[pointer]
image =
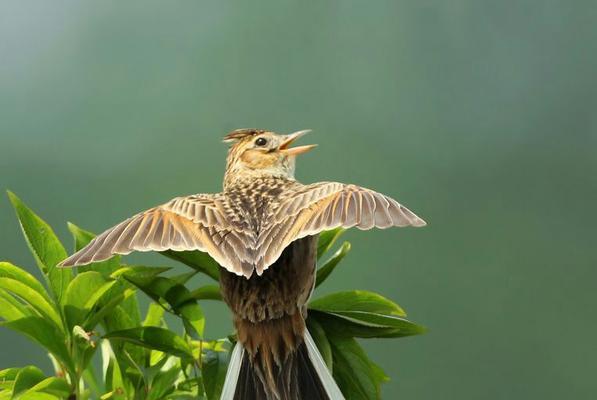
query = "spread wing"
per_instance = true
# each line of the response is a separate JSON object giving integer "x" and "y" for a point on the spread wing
{"x": 195, "y": 222}
{"x": 327, "y": 205}
{"x": 209, "y": 223}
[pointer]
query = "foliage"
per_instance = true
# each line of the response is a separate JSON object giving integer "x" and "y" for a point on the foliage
{"x": 92, "y": 314}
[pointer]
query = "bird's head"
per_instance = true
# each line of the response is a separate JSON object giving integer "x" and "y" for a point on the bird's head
{"x": 258, "y": 153}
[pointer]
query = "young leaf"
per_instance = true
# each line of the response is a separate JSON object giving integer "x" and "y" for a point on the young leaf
{"x": 45, "y": 246}
{"x": 327, "y": 240}
{"x": 326, "y": 269}
{"x": 154, "y": 338}
{"x": 197, "y": 260}
{"x": 85, "y": 346}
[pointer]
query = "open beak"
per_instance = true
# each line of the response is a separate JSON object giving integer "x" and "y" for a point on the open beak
{"x": 294, "y": 151}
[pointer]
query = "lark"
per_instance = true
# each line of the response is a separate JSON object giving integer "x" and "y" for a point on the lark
{"x": 262, "y": 229}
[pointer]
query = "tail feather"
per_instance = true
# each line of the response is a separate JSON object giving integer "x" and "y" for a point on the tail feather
{"x": 303, "y": 376}
{"x": 327, "y": 380}
{"x": 233, "y": 372}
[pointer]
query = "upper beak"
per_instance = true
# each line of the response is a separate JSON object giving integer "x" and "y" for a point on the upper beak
{"x": 293, "y": 151}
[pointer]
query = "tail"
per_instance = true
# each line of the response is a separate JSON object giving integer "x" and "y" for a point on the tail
{"x": 302, "y": 376}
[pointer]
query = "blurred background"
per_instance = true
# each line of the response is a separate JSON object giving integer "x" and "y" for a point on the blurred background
{"x": 479, "y": 115}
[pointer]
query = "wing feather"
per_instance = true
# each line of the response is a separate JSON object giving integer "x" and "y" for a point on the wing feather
{"x": 185, "y": 223}
{"x": 325, "y": 206}
{"x": 207, "y": 223}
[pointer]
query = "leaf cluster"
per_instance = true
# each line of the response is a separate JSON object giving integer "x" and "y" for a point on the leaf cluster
{"x": 90, "y": 315}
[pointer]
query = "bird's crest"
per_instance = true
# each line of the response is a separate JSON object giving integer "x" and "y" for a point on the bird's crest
{"x": 240, "y": 134}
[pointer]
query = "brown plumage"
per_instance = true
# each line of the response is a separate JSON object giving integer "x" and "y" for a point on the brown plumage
{"x": 262, "y": 230}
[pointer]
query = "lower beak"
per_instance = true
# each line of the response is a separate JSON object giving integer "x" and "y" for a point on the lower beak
{"x": 293, "y": 151}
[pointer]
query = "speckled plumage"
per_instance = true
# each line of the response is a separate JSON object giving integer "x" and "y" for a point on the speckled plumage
{"x": 263, "y": 219}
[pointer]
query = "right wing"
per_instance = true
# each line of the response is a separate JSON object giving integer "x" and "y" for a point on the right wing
{"x": 195, "y": 222}
{"x": 318, "y": 207}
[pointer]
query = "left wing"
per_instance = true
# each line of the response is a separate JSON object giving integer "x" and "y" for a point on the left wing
{"x": 323, "y": 206}
{"x": 197, "y": 222}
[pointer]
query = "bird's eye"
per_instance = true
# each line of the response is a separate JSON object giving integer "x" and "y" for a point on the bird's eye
{"x": 261, "y": 141}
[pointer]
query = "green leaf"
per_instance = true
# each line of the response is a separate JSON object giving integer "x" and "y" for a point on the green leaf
{"x": 154, "y": 338}
{"x": 197, "y": 260}
{"x": 39, "y": 396}
{"x": 138, "y": 272}
{"x": 81, "y": 236}
{"x": 338, "y": 325}
{"x": 327, "y": 240}
{"x": 215, "y": 359}
{"x": 33, "y": 298}
{"x": 7, "y": 378}
{"x": 46, "y": 334}
{"x": 177, "y": 296}
{"x": 154, "y": 316}
{"x": 9, "y": 374}
{"x": 82, "y": 295}
{"x": 357, "y": 300}
{"x": 105, "y": 309}
{"x": 357, "y": 376}
{"x": 26, "y": 379}
{"x": 106, "y": 268}
{"x": 183, "y": 278}
{"x": 11, "y": 308}
{"x": 118, "y": 320}
{"x": 183, "y": 395}
{"x": 114, "y": 379}
{"x": 52, "y": 386}
{"x": 163, "y": 383}
{"x": 45, "y": 246}
{"x": 8, "y": 270}
{"x": 362, "y": 314}
{"x": 372, "y": 319}
{"x": 328, "y": 267}
{"x": 85, "y": 347}
{"x": 322, "y": 342}
{"x": 91, "y": 380}
{"x": 209, "y": 292}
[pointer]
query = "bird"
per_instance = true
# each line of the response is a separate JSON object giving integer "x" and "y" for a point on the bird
{"x": 262, "y": 230}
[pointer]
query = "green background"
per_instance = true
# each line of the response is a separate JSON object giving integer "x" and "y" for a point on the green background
{"x": 478, "y": 115}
